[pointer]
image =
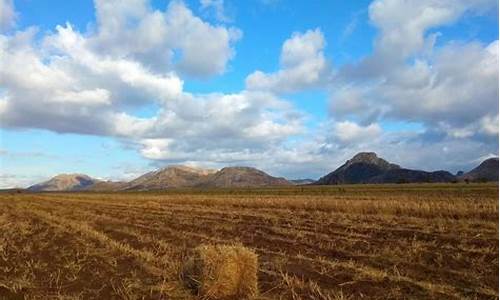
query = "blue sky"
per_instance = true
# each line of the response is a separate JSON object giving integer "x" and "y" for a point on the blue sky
{"x": 114, "y": 89}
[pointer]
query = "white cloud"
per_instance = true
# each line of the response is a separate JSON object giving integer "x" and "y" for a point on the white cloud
{"x": 8, "y": 15}
{"x": 350, "y": 132}
{"x": 217, "y": 6}
{"x": 133, "y": 29}
{"x": 453, "y": 88}
{"x": 156, "y": 148}
{"x": 241, "y": 120}
{"x": 188, "y": 33}
{"x": 89, "y": 97}
{"x": 65, "y": 83}
{"x": 65, "y": 71}
{"x": 303, "y": 66}
{"x": 455, "y": 91}
{"x": 489, "y": 125}
{"x": 217, "y": 126}
{"x": 403, "y": 24}
{"x": 125, "y": 125}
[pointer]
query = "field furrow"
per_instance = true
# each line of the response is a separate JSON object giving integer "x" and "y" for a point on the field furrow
{"x": 412, "y": 243}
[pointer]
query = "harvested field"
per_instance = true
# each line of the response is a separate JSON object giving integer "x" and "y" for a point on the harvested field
{"x": 338, "y": 242}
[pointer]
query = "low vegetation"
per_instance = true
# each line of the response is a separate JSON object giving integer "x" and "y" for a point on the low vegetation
{"x": 419, "y": 241}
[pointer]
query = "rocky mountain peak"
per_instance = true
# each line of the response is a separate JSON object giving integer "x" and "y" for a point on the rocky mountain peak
{"x": 65, "y": 182}
{"x": 372, "y": 159}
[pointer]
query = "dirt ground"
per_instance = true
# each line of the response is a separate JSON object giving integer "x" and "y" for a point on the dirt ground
{"x": 426, "y": 241}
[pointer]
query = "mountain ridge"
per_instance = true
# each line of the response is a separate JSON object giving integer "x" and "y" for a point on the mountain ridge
{"x": 364, "y": 167}
{"x": 367, "y": 167}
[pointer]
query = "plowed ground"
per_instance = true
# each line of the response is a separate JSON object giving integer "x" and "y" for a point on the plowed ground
{"x": 350, "y": 242}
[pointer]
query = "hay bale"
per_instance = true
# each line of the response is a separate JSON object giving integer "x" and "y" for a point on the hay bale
{"x": 222, "y": 272}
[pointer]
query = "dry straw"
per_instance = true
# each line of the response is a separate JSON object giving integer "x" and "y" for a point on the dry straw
{"x": 222, "y": 272}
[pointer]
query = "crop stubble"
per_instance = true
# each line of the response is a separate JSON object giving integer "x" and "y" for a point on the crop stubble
{"x": 377, "y": 242}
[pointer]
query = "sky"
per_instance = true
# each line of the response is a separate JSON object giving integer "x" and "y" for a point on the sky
{"x": 117, "y": 88}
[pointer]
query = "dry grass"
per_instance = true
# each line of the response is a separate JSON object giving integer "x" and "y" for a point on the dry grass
{"x": 428, "y": 241}
{"x": 222, "y": 272}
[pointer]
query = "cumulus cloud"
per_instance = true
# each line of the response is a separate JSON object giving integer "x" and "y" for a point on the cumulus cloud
{"x": 156, "y": 148}
{"x": 452, "y": 88}
{"x": 189, "y": 32}
{"x": 222, "y": 127}
{"x": 96, "y": 91}
{"x": 303, "y": 66}
{"x": 98, "y": 88}
{"x": 66, "y": 82}
{"x": 65, "y": 71}
{"x": 133, "y": 29}
{"x": 403, "y": 25}
{"x": 8, "y": 15}
{"x": 350, "y": 132}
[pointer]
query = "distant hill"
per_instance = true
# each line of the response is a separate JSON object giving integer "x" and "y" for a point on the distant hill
{"x": 486, "y": 171}
{"x": 170, "y": 177}
{"x": 242, "y": 177}
{"x": 359, "y": 169}
{"x": 64, "y": 182}
{"x": 367, "y": 167}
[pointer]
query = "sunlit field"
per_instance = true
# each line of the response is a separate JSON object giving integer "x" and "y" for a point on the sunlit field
{"x": 337, "y": 242}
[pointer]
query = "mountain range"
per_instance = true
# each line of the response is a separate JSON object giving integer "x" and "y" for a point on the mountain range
{"x": 364, "y": 167}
